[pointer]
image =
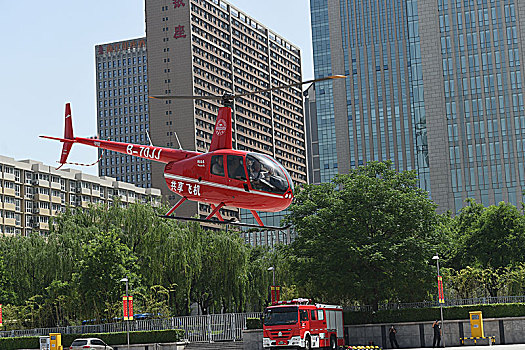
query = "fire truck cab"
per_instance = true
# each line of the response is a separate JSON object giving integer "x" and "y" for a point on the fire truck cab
{"x": 300, "y": 324}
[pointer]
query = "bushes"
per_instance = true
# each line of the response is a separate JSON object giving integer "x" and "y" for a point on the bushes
{"x": 19, "y": 343}
{"x": 254, "y": 323}
{"x": 430, "y": 314}
{"x": 167, "y": 336}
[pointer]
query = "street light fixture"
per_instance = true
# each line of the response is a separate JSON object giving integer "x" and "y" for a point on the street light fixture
{"x": 436, "y": 257}
{"x": 272, "y": 268}
{"x": 125, "y": 279}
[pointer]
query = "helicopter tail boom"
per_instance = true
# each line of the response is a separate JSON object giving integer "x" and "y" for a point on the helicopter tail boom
{"x": 159, "y": 154}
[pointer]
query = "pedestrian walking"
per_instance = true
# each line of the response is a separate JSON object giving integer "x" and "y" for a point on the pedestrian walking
{"x": 437, "y": 334}
{"x": 392, "y": 336}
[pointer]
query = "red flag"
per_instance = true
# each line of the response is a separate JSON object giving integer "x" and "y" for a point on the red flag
{"x": 1, "y": 323}
{"x": 125, "y": 306}
{"x": 275, "y": 292}
{"x": 130, "y": 306}
{"x": 441, "y": 296}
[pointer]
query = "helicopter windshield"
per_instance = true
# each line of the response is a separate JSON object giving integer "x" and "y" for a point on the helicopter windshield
{"x": 266, "y": 174}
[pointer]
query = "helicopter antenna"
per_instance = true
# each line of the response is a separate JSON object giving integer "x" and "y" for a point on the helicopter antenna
{"x": 180, "y": 146}
{"x": 149, "y": 138}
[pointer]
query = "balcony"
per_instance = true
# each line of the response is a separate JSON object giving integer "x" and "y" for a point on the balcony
{"x": 42, "y": 197}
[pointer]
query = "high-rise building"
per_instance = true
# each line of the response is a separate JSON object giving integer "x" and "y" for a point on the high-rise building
{"x": 32, "y": 192}
{"x": 209, "y": 47}
{"x": 434, "y": 86}
{"x": 122, "y": 107}
{"x": 312, "y": 136}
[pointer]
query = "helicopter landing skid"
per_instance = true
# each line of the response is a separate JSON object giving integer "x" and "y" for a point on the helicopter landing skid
{"x": 225, "y": 222}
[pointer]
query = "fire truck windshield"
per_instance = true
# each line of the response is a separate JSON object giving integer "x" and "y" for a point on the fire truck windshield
{"x": 281, "y": 316}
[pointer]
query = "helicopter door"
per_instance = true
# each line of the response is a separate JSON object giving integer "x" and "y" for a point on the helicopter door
{"x": 236, "y": 171}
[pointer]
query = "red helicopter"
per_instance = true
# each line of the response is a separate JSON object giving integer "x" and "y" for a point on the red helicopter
{"x": 221, "y": 177}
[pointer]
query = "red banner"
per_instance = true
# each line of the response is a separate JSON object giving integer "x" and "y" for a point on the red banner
{"x": 1, "y": 323}
{"x": 130, "y": 306}
{"x": 127, "y": 305}
{"x": 276, "y": 294}
{"x": 441, "y": 296}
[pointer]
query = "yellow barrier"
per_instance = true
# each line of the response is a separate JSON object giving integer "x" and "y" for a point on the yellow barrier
{"x": 492, "y": 339}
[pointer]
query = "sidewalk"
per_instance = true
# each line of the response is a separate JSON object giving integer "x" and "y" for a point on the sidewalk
{"x": 480, "y": 347}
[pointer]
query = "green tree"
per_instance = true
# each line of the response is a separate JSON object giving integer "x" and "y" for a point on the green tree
{"x": 221, "y": 280}
{"x": 366, "y": 236}
{"x": 498, "y": 237}
{"x": 105, "y": 261}
{"x": 7, "y": 294}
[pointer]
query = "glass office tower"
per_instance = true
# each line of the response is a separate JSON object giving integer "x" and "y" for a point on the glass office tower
{"x": 122, "y": 107}
{"x": 434, "y": 86}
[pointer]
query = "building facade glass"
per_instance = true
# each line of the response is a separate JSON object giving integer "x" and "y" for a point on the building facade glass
{"x": 383, "y": 98}
{"x": 122, "y": 107}
{"x": 435, "y": 86}
{"x": 482, "y": 79}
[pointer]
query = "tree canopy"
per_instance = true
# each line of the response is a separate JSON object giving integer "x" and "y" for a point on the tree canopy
{"x": 74, "y": 273}
{"x": 366, "y": 236}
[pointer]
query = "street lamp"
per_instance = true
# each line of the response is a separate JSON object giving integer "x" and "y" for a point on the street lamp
{"x": 125, "y": 279}
{"x": 272, "y": 268}
{"x": 436, "y": 257}
{"x": 274, "y": 290}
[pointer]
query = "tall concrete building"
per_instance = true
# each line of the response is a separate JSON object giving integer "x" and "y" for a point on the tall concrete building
{"x": 312, "y": 136}
{"x": 31, "y": 193}
{"x": 435, "y": 86}
{"x": 122, "y": 107}
{"x": 209, "y": 47}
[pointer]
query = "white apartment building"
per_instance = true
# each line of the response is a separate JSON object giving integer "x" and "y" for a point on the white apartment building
{"x": 32, "y": 192}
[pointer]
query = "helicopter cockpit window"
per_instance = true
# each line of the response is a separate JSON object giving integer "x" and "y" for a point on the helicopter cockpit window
{"x": 236, "y": 168}
{"x": 217, "y": 165}
{"x": 265, "y": 174}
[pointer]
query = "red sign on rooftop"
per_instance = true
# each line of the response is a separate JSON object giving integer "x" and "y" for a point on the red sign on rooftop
{"x": 178, "y": 3}
{"x": 123, "y": 46}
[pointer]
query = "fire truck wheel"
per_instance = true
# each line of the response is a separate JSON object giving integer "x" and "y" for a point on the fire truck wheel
{"x": 308, "y": 343}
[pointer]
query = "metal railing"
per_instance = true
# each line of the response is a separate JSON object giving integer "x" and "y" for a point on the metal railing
{"x": 205, "y": 328}
{"x": 228, "y": 327}
{"x": 448, "y": 302}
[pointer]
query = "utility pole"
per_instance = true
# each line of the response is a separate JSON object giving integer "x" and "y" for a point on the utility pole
{"x": 125, "y": 279}
{"x": 441, "y": 298}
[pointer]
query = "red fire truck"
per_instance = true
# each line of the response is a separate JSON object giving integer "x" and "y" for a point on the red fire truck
{"x": 301, "y": 324}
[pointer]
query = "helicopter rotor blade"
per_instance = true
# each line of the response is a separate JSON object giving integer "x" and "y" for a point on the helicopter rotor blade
{"x": 234, "y": 96}
{"x": 288, "y": 86}
{"x": 188, "y": 97}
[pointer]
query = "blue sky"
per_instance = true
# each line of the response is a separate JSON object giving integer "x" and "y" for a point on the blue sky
{"x": 47, "y": 59}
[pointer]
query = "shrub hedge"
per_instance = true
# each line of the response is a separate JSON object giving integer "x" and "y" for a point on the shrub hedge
{"x": 166, "y": 336}
{"x": 254, "y": 323}
{"x": 431, "y": 314}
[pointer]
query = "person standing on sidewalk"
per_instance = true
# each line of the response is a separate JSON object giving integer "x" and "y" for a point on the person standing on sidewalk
{"x": 392, "y": 336}
{"x": 437, "y": 334}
